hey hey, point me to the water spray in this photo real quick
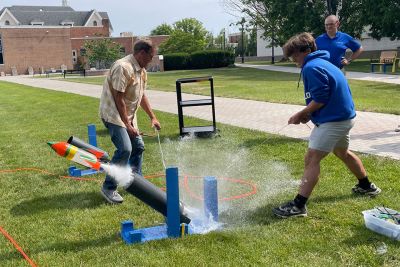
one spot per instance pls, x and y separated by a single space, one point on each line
159 145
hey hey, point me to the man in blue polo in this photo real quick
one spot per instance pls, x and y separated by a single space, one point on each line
336 43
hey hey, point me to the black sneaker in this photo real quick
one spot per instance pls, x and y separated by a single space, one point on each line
373 190
290 209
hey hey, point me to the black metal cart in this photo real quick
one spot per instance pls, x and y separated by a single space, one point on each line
197 130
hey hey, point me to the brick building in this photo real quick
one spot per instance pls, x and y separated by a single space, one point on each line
45 37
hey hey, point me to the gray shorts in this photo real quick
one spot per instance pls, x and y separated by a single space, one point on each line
331 135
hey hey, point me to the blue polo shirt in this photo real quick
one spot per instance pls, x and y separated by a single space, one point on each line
337 46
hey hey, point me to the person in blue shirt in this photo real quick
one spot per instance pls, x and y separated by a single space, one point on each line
336 43
329 105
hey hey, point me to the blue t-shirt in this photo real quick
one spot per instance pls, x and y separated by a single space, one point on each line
337 46
324 83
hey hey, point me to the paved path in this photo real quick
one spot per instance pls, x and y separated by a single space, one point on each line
373 132
375 77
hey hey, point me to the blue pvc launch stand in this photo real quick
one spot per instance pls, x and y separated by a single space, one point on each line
173 214
172 228
210 188
74 171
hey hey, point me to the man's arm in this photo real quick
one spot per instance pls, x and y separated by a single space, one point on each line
304 115
354 56
145 104
121 107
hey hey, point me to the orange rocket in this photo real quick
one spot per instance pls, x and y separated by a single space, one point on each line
75 154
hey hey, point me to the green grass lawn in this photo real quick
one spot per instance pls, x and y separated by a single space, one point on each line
270 86
63 222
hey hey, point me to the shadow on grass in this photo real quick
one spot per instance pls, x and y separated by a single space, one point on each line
68 201
65 246
333 198
361 236
259 216
263 215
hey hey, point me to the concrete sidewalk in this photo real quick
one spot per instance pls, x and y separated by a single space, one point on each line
373 132
363 76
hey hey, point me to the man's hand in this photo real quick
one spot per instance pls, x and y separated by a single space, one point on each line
156 124
345 61
299 117
131 130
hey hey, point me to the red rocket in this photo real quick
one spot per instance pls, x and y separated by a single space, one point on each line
76 154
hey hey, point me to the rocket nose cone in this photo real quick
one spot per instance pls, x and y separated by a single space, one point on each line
51 143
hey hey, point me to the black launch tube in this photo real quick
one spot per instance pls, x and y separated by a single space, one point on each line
152 196
75 141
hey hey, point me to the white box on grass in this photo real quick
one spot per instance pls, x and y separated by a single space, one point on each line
380 225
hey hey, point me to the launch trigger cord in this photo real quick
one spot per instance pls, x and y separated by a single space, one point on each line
159 144
15 244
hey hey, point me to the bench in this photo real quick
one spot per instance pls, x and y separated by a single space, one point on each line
80 72
51 71
387 58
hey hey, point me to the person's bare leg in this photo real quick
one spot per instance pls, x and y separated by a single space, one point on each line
352 162
310 178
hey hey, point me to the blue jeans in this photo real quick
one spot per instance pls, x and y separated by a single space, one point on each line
129 150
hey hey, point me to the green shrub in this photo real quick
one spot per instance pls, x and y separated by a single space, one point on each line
211 59
199 60
176 61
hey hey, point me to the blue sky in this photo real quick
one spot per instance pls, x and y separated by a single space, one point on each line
128 15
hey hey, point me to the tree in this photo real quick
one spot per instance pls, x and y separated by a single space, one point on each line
383 18
220 40
210 41
281 19
163 29
102 52
252 42
188 35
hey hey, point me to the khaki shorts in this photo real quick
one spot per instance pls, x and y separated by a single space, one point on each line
331 135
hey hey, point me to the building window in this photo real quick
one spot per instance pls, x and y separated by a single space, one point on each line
37 23
7 22
83 52
67 23
1 52
94 23
74 57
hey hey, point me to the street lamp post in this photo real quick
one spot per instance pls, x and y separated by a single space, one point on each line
224 39
242 22
273 47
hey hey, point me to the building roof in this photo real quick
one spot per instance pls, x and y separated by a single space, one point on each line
51 15
40 8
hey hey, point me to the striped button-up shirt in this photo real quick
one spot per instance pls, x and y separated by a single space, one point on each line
128 77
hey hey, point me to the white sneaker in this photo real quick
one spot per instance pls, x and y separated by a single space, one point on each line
111 196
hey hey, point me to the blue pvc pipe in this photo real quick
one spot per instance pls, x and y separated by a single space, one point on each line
173 213
92 134
210 187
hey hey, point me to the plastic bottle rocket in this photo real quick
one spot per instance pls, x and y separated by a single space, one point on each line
76 154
